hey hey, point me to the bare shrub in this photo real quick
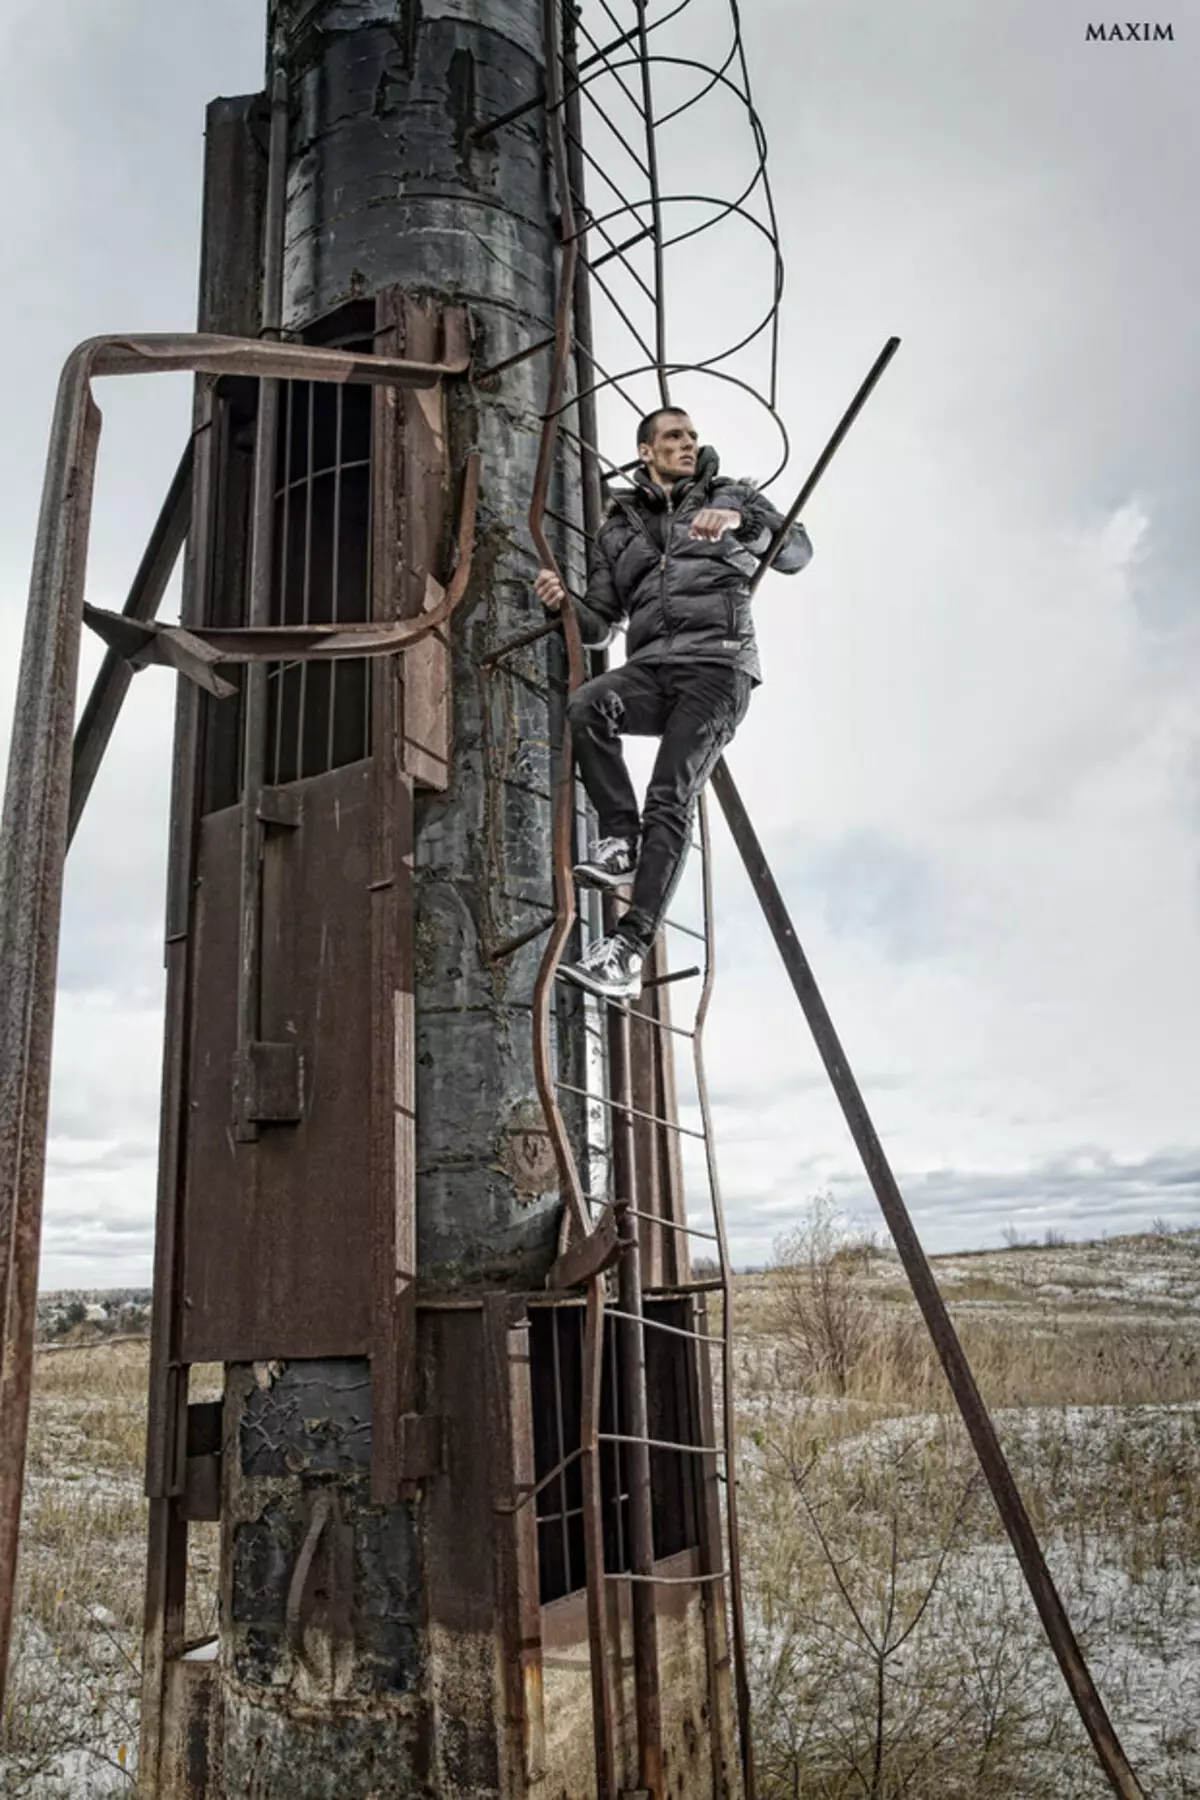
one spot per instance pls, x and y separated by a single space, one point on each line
879 1674
896 1654
820 1309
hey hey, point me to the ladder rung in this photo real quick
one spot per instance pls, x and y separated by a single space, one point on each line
681 1289
672 1225
645 1018
649 1019
688 930
701 1337
640 1018
657 981
619 1106
620 1437
666 1580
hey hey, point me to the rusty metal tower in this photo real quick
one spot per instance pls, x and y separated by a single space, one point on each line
360 1206
422 1205
472 1472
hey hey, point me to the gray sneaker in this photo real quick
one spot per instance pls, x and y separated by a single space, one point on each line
611 864
611 968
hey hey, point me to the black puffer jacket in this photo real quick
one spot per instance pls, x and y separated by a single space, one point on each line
685 598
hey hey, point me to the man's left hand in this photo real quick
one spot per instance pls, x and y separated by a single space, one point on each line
711 521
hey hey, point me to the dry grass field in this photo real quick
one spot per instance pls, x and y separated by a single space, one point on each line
895 1653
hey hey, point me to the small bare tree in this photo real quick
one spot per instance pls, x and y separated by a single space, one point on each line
901 1723
820 1309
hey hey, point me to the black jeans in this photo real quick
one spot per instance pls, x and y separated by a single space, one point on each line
695 710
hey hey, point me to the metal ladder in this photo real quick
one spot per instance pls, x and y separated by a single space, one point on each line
572 296
600 1240
601 1243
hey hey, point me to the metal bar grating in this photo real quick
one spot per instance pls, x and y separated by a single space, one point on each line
319 712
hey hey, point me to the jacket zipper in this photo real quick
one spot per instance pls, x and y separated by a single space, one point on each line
662 566
633 514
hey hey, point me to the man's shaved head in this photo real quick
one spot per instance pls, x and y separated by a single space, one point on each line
647 429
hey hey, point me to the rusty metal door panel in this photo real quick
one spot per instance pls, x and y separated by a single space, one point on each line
277 1233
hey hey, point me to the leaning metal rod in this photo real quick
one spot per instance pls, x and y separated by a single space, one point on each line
728 1418
826 457
916 1266
146 591
262 581
33 838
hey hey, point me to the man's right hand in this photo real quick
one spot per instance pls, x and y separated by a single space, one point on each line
549 590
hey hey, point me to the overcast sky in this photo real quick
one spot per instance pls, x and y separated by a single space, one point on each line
974 761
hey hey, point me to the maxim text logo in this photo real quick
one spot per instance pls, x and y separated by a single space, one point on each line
1131 34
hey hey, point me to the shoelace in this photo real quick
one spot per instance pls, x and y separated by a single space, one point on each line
605 956
609 847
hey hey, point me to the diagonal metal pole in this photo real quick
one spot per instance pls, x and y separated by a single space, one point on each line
826 457
149 585
941 1329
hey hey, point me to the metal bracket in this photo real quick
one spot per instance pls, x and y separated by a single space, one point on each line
202 1466
280 806
140 642
590 1256
422 1446
271 1076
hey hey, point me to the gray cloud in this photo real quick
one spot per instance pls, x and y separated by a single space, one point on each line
1086 1194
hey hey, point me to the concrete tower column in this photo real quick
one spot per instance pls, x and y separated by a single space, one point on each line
386 188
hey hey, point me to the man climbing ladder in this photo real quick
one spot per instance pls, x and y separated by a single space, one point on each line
676 554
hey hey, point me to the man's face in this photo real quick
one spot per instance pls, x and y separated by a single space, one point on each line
672 455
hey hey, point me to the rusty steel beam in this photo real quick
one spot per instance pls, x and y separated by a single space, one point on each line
111 685
32 848
36 810
564 798
258 614
229 301
946 1341
603 1721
